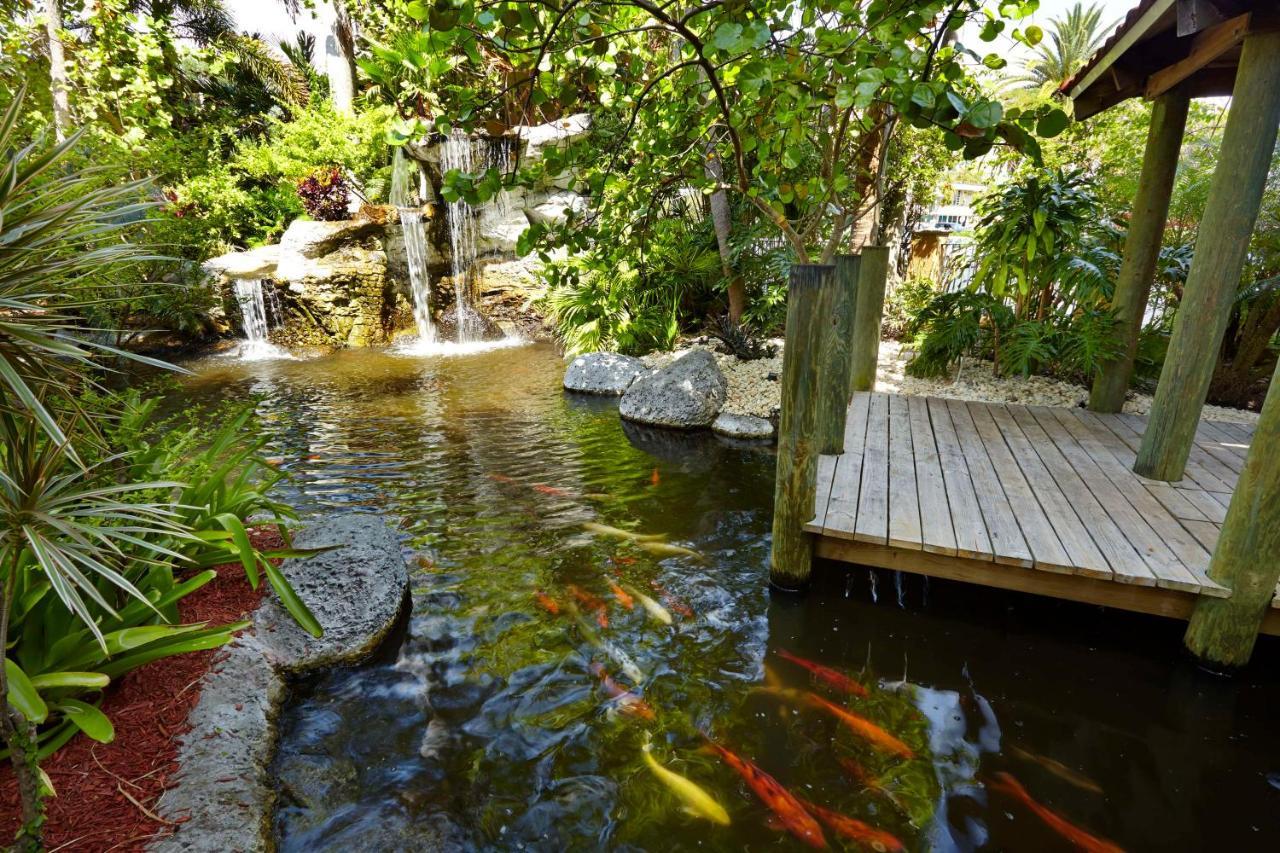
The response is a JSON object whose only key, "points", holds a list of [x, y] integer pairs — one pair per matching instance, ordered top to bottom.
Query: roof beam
{"points": [[1126, 41], [1205, 48]]}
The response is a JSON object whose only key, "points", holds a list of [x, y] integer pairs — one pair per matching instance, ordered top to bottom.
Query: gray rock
{"points": [[554, 209], [311, 238], [255, 263], [602, 373], [686, 394], [742, 426], [224, 794]]}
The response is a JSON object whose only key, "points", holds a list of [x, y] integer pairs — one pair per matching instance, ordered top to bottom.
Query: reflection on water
{"points": [[512, 709]]}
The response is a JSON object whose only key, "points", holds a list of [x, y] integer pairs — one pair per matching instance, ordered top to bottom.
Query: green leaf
{"points": [[1032, 35], [727, 36], [985, 114], [1052, 123], [240, 538], [289, 598], [87, 680], [23, 694], [88, 719]]}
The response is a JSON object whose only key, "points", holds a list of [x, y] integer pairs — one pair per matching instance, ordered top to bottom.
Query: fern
{"points": [[1088, 343], [1026, 347]]}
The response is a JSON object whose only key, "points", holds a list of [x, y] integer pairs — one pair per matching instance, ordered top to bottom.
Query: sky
{"points": [[269, 18]]}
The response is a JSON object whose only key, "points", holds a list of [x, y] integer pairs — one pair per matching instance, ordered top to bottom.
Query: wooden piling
{"points": [[1230, 213], [1142, 244], [872, 275], [809, 306], [837, 356], [1247, 556]]}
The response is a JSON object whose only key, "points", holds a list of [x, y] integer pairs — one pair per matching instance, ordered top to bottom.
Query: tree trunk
{"points": [[339, 59], [57, 70], [869, 177], [1235, 196], [722, 222], [1142, 244], [1223, 630]]}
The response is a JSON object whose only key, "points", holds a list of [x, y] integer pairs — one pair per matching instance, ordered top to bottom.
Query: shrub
{"points": [[324, 195], [903, 304]]}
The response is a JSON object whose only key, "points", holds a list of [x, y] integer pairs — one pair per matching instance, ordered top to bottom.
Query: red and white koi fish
{"points": [[552, 490], [672, 602], [592, 603], [825, 674], [627, 702], [791, 814], [855, 830], [1074, 835]]}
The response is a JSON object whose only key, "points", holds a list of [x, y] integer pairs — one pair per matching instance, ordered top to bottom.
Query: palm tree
{"points": [[1072, 40]]}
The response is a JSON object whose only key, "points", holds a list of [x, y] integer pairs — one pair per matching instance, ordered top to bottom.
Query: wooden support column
{"points": [[1226, 226], [1142, 245], [872, 276], [809, 302], [837, 356], [1247, 556]]}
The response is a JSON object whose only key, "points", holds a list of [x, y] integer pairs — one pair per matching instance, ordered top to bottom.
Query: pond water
{"points": [[488, 721]]}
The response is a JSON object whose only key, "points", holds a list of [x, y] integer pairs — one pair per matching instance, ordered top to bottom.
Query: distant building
{"points": [[956, 211], [941, 245]]}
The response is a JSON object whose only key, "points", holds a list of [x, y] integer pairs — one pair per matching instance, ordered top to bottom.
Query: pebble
{"points": [[754, 388]]}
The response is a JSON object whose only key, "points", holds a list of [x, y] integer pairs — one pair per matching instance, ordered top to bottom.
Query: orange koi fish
{"points": [[501, 478], [653, 480], [551, 490], [623, 560], [621, 594], [672, 601], [547, 603], [593, 603], [825, 674], [628, 703], [864, 728], [1057, 768], [858, 773], [791, 814], [855, 830], [1077, 837]]}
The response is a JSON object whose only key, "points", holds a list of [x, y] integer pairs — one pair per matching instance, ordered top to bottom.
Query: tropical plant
{"points": [[1072, 40], [324, 195], [89, 535]]}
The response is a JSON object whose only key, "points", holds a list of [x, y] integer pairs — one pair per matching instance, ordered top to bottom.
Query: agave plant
{"points": [[94, 528]]}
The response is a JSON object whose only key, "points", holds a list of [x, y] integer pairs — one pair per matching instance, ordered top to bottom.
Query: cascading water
{"points": [[458, 152], [415, 247], [253, 312]]}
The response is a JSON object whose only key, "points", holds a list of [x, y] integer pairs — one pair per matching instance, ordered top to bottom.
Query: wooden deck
{"points": [[1029, 498]]}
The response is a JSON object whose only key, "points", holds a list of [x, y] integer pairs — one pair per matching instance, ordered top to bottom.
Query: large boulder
{"points": [[554, 208], [312, 239], [255, 263], [602, 373], [686, 394], [742, 426]]}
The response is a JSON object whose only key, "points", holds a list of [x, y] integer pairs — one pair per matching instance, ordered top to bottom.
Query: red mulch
{"points": [[107, 792]]}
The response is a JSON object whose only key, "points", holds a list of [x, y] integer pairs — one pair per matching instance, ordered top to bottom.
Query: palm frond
{"points": [[283, 80]]}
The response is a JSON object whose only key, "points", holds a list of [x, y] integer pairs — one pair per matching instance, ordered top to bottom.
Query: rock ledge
{"points": [[225, 796]]}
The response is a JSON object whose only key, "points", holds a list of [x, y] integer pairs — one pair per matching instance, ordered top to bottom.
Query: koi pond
{"points": [[593, 661]]}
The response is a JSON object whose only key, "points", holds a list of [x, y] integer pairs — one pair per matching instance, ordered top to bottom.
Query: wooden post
{"points": [[1225, 228], [1142, 245], [872, 275], [809, 301], [837, 356], [1247, 556]]}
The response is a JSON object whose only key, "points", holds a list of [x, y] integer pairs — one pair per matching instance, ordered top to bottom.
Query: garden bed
{"points": [[108, 792]]}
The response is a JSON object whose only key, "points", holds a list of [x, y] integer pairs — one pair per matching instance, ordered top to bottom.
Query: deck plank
{"points": [[1089, 434], [1195, 472], [873, 495], [822, 497], [1172, 500], [904, 501], [1206, 503], [842, 511], [937, 532], [1206, 533], [972, 539], [1007, 542], [1047, 552], [1086, 558], [1124, 560], [1164, 564]]}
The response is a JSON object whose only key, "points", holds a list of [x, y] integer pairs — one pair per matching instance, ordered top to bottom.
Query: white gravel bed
{"points": [[754, 387]]}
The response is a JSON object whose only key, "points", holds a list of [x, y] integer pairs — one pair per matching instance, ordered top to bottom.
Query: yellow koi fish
{"points": [[619, 533], [666, 549], [656, 610], [697, 802]]}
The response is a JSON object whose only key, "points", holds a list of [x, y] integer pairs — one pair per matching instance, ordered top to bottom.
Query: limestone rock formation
{"points": [[604, 373], [686, 394]]}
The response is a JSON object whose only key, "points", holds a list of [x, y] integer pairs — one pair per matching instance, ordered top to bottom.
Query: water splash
{"points": [[457, 152], [415, 247], [253, 312], [419, 347], [897, 586], [874, 595]]}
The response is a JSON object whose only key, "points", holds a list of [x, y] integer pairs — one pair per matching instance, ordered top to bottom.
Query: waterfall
{"points": [[458, 152], [499, 155], [415, 246], [253, 312]]}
